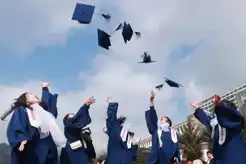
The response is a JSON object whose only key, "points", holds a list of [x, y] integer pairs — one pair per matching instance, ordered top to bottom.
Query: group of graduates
{"points": [[34, 136]]}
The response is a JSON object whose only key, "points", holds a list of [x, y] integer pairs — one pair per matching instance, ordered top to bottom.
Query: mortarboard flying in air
{"points": [[83, 13], [127, 32], [103, 39], [146, 58], [172, 83], [159, 87]]}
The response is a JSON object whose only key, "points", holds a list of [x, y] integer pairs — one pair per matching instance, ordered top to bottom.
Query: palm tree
{"points": [[193, 134]]}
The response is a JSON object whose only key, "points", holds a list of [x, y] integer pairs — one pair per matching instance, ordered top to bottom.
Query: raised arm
{"points": [[49, 101], [112, 115], [201, 115], [151, 116], [82, 117]]}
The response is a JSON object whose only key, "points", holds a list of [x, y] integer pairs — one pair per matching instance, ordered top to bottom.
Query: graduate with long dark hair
{"points": [[226, 124], [28, 126], [22, 132], [120, 139], [165, 145], [46, 148], [75, 152]]}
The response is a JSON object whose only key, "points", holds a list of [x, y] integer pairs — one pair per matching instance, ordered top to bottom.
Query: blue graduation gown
{"points": [[20, 129], [72, 131], [46, 148], [169, 149], [134, 150], [233, 150], [118, 153]]}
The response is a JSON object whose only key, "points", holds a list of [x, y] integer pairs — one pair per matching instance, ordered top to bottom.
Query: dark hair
{"points": [[20, 101], [230, 104], [65, 119], [121, 120], [169, 121], [131, 133], [86, 136], [90, 147], [209, 152]]}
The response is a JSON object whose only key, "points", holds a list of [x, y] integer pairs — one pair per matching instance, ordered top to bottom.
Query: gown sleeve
{"points": [[49, 101], [112, 115], [202, 117], [228, 117], [81, 119], [151, 120], [17, 128], [91, 150], [134, 150], [177, 152]]}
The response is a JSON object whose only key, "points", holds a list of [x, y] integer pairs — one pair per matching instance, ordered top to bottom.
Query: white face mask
{"points": [[164, 126]]}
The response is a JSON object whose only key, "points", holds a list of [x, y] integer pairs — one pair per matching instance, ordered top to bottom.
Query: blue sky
{"points": [[59, 64]]}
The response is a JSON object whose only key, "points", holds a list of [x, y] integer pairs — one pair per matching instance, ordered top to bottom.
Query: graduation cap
{"points": [[83, 13], [107, 17], [127, 32], [103, 39], [146, 58], [172, 83], [159, 87]]}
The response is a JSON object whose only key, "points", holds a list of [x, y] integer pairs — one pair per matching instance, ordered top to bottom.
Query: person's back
{"points": [[117, 148]]}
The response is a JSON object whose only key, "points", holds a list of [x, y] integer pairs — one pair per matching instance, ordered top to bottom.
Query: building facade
{"points": [[234, 95]]}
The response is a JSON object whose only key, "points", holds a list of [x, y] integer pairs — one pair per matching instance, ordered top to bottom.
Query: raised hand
{"points": [[44, 84], [152, 97], [108, 99], [216, 99], [90, 101], [194, 104]]}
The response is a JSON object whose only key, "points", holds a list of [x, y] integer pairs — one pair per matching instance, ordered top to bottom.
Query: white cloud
{"points": [[217, 64]]}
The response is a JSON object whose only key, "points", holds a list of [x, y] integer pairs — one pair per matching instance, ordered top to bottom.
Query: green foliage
{"points": [[193, 134]]}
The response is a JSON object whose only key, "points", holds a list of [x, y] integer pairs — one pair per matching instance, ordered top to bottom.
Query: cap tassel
{"points": [[107, 17], [120, 26], [138, 35]]}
